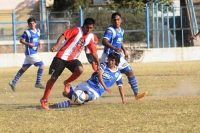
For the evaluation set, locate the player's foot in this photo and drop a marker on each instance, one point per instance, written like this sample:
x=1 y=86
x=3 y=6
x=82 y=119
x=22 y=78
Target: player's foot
x=44 y=104
x=67 y=88
x=13 y=87
x=140 y=95
x=39 y=86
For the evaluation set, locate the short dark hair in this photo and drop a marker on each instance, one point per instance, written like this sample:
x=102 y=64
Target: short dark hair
x=115 y=56
x=31 y=19
x=115 y=14
x=89 y=21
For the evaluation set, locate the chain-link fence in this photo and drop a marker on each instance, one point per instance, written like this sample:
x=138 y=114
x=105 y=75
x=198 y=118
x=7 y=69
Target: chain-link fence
x=166 y=27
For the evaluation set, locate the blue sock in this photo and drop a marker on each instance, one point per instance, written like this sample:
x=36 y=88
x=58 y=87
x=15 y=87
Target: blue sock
x=64 y=104
x=39 y=76
x=17 y=76
x=134 y=86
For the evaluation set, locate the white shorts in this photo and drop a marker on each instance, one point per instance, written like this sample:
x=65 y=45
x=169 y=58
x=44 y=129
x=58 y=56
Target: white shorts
x=85 y=87
x=123 y=62
x=32 y=59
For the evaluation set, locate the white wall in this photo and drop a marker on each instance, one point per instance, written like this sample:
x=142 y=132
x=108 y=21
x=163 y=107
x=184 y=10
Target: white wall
x=13 y=4
x=150 y=55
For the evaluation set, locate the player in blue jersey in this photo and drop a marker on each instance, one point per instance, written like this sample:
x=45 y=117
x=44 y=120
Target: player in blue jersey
x=98 y=84
x=30 y=39
x=113 y=42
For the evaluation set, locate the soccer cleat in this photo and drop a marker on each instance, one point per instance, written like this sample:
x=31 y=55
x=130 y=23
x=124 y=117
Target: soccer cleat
x=140 y=95
x=13 y=87
x=44 y=104
x=39 y=86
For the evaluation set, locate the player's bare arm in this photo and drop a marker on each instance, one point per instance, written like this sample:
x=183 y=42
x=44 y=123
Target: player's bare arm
x=121 y=91
x=95 y=55
x=125 y=52
x=195 y=36
x=22 y=41
x=100 y=77
x=106 y=43
x=58 y=43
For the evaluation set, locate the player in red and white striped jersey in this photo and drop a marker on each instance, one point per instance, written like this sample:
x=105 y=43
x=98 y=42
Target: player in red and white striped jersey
x=76 y=39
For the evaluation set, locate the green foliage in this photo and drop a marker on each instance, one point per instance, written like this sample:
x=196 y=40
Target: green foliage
x=137 y=5
x=60 y=5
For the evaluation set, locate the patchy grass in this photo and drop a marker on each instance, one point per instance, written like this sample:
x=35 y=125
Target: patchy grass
x=171 y=106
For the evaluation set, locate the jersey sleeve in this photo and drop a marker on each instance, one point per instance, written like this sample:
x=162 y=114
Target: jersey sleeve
x=70 y=33
x=24 y=35
x=108 y=34
x=119 y=80
x=91 y=46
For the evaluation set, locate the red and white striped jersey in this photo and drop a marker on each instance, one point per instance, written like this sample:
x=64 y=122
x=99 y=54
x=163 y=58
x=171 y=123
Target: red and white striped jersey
x=76 y=41
x=87 y=50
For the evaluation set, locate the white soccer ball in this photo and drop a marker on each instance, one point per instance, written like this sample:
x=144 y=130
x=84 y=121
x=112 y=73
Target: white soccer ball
x=79 y=97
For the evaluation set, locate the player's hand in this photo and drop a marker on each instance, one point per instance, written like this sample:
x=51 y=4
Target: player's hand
x=108 y=90
x=118 y=50
x=54 y=48
x=31 y=44
x=126 y=55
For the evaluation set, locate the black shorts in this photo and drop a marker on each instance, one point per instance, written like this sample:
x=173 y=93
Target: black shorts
x=90 y=58
x=58 y=65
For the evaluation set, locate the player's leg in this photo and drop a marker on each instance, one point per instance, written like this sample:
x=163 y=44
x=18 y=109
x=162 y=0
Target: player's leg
x=18 y=75
x=127 y=70
x=133 y=83
x=38 y=83
x=76 y=68
x=56 y=68
x=37 y=61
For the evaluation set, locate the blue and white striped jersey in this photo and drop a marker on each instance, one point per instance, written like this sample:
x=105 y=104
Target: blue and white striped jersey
x=115 y=37
x=109 y=77
x=31 y=36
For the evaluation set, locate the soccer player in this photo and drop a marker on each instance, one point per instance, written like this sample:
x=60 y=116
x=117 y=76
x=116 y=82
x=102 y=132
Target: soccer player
x=98 y=84
x=89 y=56
x=30 y=39
x=75 y=39
x=113 y=42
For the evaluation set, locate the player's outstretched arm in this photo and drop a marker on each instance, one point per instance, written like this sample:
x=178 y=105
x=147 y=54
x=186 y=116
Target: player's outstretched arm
x=100 y=77
x=121 y=91
x=58 y=43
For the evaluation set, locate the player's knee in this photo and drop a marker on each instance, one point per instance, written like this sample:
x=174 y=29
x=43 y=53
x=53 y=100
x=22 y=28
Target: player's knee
x=79 y=70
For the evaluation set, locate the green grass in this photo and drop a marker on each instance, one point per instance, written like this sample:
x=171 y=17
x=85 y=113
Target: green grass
x=172 y=105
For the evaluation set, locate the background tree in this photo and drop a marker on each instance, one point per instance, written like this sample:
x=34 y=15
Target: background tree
x=73 y=5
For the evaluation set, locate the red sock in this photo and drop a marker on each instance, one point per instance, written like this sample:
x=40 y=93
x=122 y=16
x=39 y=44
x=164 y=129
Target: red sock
x=48 y=88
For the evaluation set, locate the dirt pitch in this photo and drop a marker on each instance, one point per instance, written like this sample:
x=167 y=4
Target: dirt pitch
x=172 y=105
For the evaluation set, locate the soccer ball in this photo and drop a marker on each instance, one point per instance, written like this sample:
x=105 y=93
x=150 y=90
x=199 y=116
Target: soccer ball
x=79 y=96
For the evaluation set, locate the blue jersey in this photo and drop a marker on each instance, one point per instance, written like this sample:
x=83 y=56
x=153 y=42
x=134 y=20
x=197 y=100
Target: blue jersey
x=109 y=77
x=31 y=36
x=115 y=37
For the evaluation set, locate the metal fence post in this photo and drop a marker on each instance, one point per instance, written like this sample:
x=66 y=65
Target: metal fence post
x=147 y=25
x=163 y=30
x=174 y=26
x=14 y=31
x=48 y=36
x=81 y=16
